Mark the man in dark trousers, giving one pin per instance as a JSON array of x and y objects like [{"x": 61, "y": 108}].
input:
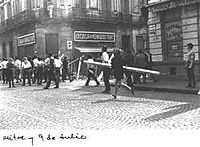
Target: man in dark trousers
[
  {"x": 149, "y": 62},
  {"x": 26, "y": 71},
  {"x": 129, "y": 61},
  {"x": 106, "y": 70},
  {"x": 140, "y": 62},
  {"x": 91, "y": 72},
  {"x": 64, "y": 69},
  {"x": 51, "y": 73},
  {"x": 190, "y": 66}
]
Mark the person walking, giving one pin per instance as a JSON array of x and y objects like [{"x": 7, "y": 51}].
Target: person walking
[
  {"x": 149, "y": 63},
  {"x": 91, "y": 72},
  {"x": 4, "y": 70},
  {"x": 46, "y": 68},
  {"x": 117, "y": 64},
  {"x": 58, "y": 65},
  {"x": 64, "y": 69},
  {"x": 10, "y": 72},
  {"x": 106, "y": 70},
  {"x": 35, "y": 69},
  {"x": 140, "y": 62},
  {"x": 18, "y": 65},
  {"x": 190, "y": 57},
  {"x": 51, "y": 73},
  {"x": 129, "y": 61},
  {"x": 26, "y": 71},
  {"x": 40, "y": 66}
]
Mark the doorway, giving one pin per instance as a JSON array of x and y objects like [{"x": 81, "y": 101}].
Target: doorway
[
  {"x": 126, "y": 43},
  {"x": 51, "y": 42},
  {"x": 139, "y": 43}
]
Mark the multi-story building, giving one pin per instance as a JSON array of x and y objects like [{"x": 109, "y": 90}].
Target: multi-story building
[
  {"x": 171, "y": 25},
  {"x": 29, "y": 27}
]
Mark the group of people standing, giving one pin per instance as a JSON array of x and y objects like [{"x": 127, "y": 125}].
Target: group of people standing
[
  {"x": 35, "y": 70},
  {"x": 142, "y": 59}
]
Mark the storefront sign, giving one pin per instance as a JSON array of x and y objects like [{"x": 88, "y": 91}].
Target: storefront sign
[
  {"x": 171, "y": 4},
  {"x": 84, "y": 36},
  {"x": 26, "y": 39},
  {"x": 173, "y": 31}
]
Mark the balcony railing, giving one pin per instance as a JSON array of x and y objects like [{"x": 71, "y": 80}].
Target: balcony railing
[
  {"x": 20, "y": 18},
  {"x": 75, "y": 13},
  {"x": 84, "y": 14}
]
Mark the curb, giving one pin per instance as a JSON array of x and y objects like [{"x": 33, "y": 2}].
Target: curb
[
  {"x": 172, "y": 90},
  {"x": 164, "y": 89}
]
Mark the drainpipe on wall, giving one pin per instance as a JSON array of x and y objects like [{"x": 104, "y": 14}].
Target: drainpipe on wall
[{"x": 198, "y": 29}]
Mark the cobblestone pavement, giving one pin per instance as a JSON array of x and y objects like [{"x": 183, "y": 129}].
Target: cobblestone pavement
[{"x": 73, "y": 106}]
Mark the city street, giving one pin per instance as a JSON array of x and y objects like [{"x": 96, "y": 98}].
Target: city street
[{"x": 73, "y": 106}]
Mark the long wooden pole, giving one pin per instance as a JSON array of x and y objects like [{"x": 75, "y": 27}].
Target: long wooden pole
[{"x": 133, "y": 69}]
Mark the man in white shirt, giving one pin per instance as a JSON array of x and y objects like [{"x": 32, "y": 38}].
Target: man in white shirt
[
  {"x": 18, "y": 65},
  {"x": 26, "y": 71},
  {"x": 51, "y": 72},
  {"x": 4, "y": 67},
  {"x": 58, "y": 65},
  {"x": 40, "y": 67},
  {"x": 106, "y": 70},
  {"x": 35, "y": 68}
]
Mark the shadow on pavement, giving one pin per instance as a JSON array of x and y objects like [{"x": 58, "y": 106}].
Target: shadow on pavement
[
  {"x": 179, "y": 109},
  {"x": 117, "y": 100}
]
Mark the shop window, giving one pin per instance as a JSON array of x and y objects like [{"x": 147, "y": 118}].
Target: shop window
[{"x": 173, "y": 35}]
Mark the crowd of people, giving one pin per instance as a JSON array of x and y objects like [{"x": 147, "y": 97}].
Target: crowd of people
[
  {"x": 34, "y": 70},
  {"x": 53, "y": 68}
]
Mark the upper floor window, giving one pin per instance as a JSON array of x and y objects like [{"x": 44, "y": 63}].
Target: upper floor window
[
  {"x": 94, "y": 4},
  {"x": 116, "y": 5},
  {"x": 135, "y": 6},
  {"x": 38, "y": 3}
]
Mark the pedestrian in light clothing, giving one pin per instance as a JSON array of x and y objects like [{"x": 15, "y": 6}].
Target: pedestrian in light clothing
[
  {"x": 117, "y": 66},
  {"x": 4, "y": 70},
  {"x": 106, "y": 70},
  {"x": 18, "y": 65},
  {"x": 26, "y": 71},
  {"x": 58, "y": 65},
  {"x": 40, "y": 71},
  {"x": 10, "y": 72},
  {"x": 190, "y": 57},
  {"x": 91, "y": 72},
  {"x": 51, "y": 73}
]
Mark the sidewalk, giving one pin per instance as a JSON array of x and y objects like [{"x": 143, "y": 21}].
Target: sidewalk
[
  {"x": 168, "y": 86},
  {"x": 161, "y": 85}
]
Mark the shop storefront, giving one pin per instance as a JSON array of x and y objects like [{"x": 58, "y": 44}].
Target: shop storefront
[{"x": 171, "y": 25}]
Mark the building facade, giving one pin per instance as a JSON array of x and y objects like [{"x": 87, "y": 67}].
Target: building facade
[
  {"x": 30, "y": 27},
  {"x": 171, "y": 25}
]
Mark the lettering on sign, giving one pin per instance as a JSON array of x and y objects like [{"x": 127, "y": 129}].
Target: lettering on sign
[
  {"x": 84, "y": 36},
  {"x": 173, "y": 31},
  {"x": 26, "y": 39},
  {"x": 170, "y": 4}
]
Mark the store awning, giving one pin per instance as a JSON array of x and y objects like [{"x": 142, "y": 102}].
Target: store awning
[{"x": 92, "y": 50}]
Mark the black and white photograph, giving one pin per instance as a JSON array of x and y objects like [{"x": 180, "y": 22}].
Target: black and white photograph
[{"x": 99, "y": 73}]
